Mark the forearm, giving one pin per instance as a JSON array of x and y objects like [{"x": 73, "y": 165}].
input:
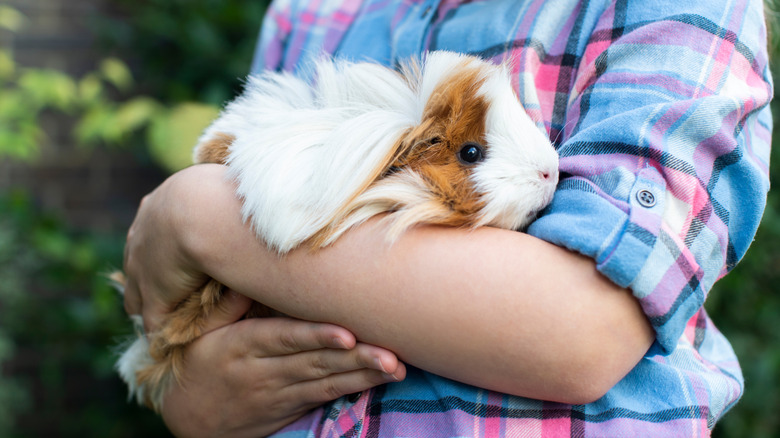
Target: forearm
[{"x": 494, "y": 308}]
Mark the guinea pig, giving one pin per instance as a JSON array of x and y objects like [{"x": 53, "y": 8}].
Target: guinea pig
[{"x": 441, "y": 141}]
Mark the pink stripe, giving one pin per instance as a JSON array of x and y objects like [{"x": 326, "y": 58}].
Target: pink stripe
[
  {"x": 493, "y": 422},
  {"x": 719, "y": 67},
  {"x": 547, "y": 78},
  {"x": 555, "y": 427}
]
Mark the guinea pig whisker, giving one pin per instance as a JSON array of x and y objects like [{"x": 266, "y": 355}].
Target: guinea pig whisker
[{"x": 562, "y": 132}]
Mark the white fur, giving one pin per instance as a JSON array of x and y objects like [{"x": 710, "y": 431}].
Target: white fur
[
  {"x": 135, "y": 357},
  {"x": 512, "y": 175},
  {"x": 302, "y": 151}
]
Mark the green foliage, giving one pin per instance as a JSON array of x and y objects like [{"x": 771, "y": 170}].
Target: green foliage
[
  {"x": 59, "y": 317},
  {"x": 59, "y": 320},
  {"x": 11, "y": 19},
  {"x": 96, "y": 102},
  {"x": 186, "y": 50},
  {"x": 23, "y": 96},
  {"x": 27, "y": 93},
  {"x": 171, "y": 137}
]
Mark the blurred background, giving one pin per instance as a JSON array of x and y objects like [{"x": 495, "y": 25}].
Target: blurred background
[{"x": 99, "y": 101}]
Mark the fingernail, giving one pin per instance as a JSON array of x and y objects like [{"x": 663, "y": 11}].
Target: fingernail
[
  {"x": 378, "y": 365},
  {"x": 340, "y": 343},
  {"x": 390, "y": 377}
]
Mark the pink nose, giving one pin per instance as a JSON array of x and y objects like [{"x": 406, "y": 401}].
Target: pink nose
[{"x": 548, "y": 176}]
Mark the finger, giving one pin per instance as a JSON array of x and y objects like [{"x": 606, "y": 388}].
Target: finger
[
  {"x": 154, "y": 312},
  {"x": 266, "y": 337},
  {"x": 332, "y": 387},
  {"x": 132, "y": 299},
  {"x": 232, "y": 307},
  {"x": 128, "y": 236},
  {"x": 318, "y": 364},
  {"x": 152, "y": 320}
]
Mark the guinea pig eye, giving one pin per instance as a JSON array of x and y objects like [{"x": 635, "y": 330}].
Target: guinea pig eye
[{"x": 471, "y": 153}]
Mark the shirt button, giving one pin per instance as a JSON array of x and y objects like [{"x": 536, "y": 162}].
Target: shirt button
[
  {"x": 645, "y": 198},
  {"x": 353, "y": 398},
  {"x": 425, "y": 11}
]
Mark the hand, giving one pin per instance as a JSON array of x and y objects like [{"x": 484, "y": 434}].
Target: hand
[
  {"x": 253, "y": 377},
  {"x": 158, "y": 264}
]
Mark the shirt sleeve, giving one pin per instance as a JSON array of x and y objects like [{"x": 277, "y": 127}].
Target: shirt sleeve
[
  {"x": 274, "y": 33},
  {"x": 664, "y": 163}
]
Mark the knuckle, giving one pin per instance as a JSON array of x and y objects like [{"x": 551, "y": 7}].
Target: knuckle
[
  {"x": 363, "y": 357},
  {"x": 288, "y": 341},
  {"x": 331, "y": 390},
  {"x": 233, "y": 368},
  {"x": 319, "y": 366}
]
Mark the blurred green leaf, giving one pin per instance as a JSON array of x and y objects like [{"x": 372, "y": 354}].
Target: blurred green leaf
[
  {"x": 13, "y": 107},
  {"x": 98, "y": 124},
  {"x": 11, "y": 19},
  {"x": 83, "y": 256},
  {"x": 137, "y": 112},
  {"x": 21, "y": 143},
  {"x": 90, "y": 88},
  {"x": 116, "y": 73},
  {"x": 48, "y": 88},
  {"x": 7, "y": 65},
  {"x": 52, "y": 244},
  {"x": 173, "y": 136},
  {"x": 104, "y": 298}
]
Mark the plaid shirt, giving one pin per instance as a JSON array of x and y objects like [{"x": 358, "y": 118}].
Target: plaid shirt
[{"x": 658, "y": 110}]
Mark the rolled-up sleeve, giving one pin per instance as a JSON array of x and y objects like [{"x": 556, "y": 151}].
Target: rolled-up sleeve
[{"x": 664, "y": 166}]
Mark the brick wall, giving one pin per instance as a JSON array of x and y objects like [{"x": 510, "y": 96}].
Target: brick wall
[{"x": 97, "y": 189}]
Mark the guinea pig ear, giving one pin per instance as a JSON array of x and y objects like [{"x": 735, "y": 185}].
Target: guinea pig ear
[{"x": 214, "y": 150}]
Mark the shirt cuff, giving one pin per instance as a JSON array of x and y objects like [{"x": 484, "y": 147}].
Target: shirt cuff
[{"x": 619, "y": 231}]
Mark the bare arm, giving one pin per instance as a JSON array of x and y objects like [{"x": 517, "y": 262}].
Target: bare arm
[{"x": 494, "y": 308}]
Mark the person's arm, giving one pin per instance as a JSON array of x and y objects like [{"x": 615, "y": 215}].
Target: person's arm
[{"x": 493, "y": 308}]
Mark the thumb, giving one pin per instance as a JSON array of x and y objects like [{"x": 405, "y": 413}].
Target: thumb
[{"x": 232, "y": 306}]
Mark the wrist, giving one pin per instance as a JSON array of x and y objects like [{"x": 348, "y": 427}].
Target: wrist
[
  {"x": 201, "y": 200},
  {"x": 212, "y": 235}
]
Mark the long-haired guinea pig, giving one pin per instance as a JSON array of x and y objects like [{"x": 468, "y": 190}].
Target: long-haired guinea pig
[{"x": 444, "y": 141}]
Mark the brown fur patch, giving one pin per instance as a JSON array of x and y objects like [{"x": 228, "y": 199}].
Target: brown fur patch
[
  {"x": 455, "y": 114},
  {"x": 215, "y": 150}
]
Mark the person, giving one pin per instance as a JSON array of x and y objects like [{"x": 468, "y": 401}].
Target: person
[{"x": 590, "y": 324}]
